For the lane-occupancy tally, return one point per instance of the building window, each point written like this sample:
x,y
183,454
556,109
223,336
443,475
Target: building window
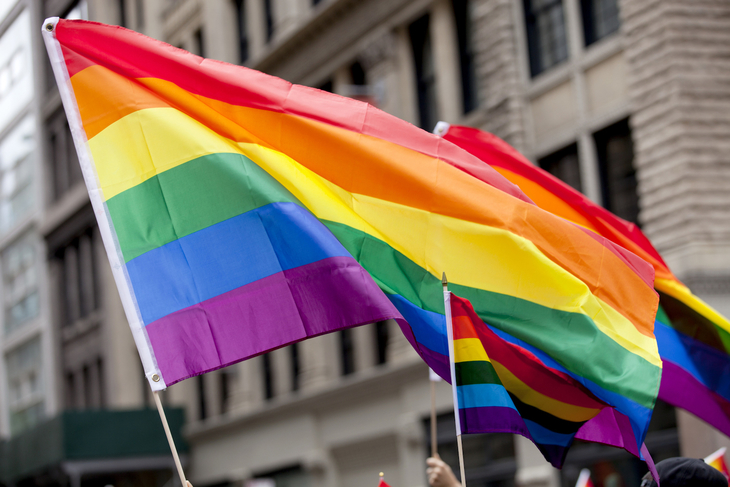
x,y
65,169
78,278
616,166
614,466
268,376
564,165
242,31
489,459
25,386
381,342
327,86
295,366
20,283
202,399
225,377
199,42
425,72
84,387
347,352
295,476
16,174
465,35
269,18
546,36
123,13
600,19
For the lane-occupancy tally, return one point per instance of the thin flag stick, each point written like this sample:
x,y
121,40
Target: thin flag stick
x,y
452,366
180,472
434,447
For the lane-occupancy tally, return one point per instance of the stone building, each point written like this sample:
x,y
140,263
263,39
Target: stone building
x,y
626,100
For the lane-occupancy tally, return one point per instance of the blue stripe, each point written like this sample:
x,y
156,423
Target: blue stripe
x,y
544,436
708,366
483,395
228,255
429,328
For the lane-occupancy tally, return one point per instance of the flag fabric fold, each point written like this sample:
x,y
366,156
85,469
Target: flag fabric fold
x,y
693,338
242,213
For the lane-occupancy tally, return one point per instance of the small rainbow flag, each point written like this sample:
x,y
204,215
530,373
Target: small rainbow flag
x,y
693,338
717,460
503,387
242,213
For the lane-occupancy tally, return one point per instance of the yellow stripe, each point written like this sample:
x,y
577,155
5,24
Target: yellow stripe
x,y
528,395
469,350
683,294
476,255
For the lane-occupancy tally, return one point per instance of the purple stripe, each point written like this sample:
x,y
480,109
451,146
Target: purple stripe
x,y
280,309
679,388
507,420
610,427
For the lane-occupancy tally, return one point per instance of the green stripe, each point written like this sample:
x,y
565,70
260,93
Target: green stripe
x,y
476,372
190,197
571,338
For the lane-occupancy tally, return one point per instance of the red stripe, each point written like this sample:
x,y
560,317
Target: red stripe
x,y
496,152
136,56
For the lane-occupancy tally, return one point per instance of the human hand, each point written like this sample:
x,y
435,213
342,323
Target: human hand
x,y
440,474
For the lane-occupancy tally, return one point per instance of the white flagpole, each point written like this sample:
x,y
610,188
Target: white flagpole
x,y
452,366
175,456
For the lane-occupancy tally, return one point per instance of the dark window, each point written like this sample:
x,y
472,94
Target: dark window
x,y
295,367
269,17
465,34
100,383
614,466
357,73
202,402
616,165
225,390
123,13
199,43
65,169
347,352
326,86
381,342
546,37
242,30
600,18
78,280
70,394
268,374
489,459
315,2
425,72
564,165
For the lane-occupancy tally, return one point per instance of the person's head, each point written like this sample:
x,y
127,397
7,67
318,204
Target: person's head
x,y
685,472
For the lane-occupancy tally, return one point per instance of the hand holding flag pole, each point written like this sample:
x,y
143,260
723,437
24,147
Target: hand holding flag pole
x,y
452,367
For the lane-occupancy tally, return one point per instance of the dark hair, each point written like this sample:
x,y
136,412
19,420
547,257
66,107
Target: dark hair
x,y
685,472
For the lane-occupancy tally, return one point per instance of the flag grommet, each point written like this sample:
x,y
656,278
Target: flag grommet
x,y
49,27
155,378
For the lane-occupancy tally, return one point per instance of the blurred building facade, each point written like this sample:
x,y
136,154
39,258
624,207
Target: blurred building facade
x,y
626,100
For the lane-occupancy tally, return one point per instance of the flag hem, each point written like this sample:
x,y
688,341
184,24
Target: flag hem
x,y
108,235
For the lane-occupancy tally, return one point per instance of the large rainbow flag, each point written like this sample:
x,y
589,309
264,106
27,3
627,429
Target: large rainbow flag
x,y
242,213
693,338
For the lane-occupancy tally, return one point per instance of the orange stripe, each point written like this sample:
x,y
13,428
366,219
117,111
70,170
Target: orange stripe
x,y
105,97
